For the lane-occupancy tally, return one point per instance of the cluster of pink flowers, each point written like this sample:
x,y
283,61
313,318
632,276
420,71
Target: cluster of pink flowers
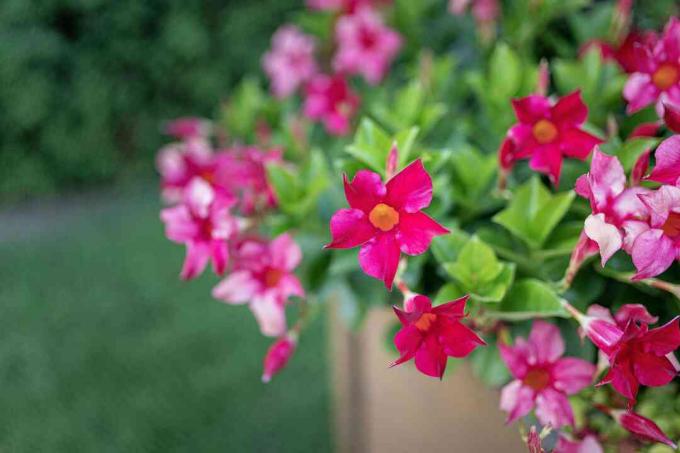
x,y
364,46
216,198
485,12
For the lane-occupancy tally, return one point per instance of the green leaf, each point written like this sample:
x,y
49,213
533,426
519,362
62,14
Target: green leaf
x,y
629,152
505,72
447,247
527,299
471,187
447,293
534,212
488,366
285,185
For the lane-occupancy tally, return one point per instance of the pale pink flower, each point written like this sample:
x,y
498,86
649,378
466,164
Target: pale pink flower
x,y
188,128
331,101
365,45
204,224
290,62
264,279
543,378
588,444
179,163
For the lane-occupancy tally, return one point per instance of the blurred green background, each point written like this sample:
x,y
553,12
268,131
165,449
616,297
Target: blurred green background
x,y
102,348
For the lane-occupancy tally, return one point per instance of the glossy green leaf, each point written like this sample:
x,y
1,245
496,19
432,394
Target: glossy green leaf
x,y
527,299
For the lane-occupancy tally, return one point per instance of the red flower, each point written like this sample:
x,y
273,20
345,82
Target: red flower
x,y
642,427
546,133
432,334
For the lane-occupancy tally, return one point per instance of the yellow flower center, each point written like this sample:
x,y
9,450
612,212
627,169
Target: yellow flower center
x,y
537,379
666,76
672,226
544,132
384,217
425,321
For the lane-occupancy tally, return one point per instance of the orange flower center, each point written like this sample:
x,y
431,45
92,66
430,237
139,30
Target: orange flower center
x,y
544,132
384,217
672,226
425,321
537,379
272,277
208,176
666,76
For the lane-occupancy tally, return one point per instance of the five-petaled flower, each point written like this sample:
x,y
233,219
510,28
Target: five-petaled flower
x,y
546,132
290,62
543,378
386,219
365,45
432,334
204,224
331,100
264,278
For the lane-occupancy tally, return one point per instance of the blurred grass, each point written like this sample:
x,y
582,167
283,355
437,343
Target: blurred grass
x,y
102,348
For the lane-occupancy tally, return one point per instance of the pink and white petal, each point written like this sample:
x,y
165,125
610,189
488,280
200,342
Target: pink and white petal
x,y
546,341
238,288
197,256
517,400
663,340
219,253
660,203
410,190
515,357
365,191
179,224
607,178
379,258
198,196
628,204
636,313
415,232
430,358
570,109
640,92
571,375
578,143
547,159
532,108
653,253
290,285
632,229
667,168
285,253
270,315
653,371
553,408
607,236
350,228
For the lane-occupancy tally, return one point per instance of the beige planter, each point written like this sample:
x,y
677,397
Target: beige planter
x,y
377,409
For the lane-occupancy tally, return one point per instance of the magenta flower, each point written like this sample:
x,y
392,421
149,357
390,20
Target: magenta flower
x,y
264,278
639,356
188,128
588,444
365,45
290,62
346,6
545,133
331,100
642,427
657,79
617,211
386,219
667,168
543,379
278,355
657,244
432,334
204,224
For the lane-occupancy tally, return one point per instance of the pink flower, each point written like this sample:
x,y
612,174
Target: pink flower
x,y
365,45
616,210
264,278
667,168
204,224
589,444
188,128
290,62
657,79
432,334
639,356
330,99
278,355
386,219
545,133
347,6
642,427
482,10
543,379
657,245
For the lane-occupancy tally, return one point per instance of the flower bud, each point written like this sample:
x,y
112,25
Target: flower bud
x,y
278,355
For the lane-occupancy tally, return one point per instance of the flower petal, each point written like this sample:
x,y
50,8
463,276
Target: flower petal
x,y
350,228
410,190
607,236
606,178
365,191
553,408
663,340
653,253
238,288
643,427
660,203
219,252
197,256
285,253
667,168
430,358
454,309
531,108
270,315
407,342
578,143
415,232
517,400
547,159
379,258
546,341
653,371
515,357
572,375
636,313
640,92
179,224
571,109
457,339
